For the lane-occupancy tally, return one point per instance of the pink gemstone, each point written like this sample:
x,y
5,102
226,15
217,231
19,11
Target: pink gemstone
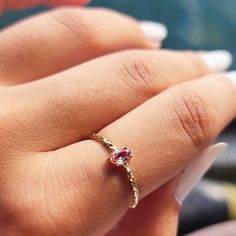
x,y
120,156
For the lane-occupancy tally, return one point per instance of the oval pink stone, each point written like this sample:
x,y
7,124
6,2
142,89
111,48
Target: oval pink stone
x,y
120,156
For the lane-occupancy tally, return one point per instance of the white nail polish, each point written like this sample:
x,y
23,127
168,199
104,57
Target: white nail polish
x,y
155,31
195,170
232,76
218,60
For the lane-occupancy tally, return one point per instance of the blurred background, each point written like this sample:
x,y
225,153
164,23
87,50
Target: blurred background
x,y
198,25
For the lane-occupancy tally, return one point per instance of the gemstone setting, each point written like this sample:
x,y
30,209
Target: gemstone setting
x,y
121,156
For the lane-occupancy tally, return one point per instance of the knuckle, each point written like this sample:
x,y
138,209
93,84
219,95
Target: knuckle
x,y
80,26
194,117
138,71
74,22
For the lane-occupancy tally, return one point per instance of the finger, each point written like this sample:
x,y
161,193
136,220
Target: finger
x,y
164,141
186,116
165,134
60,39
101,90
223,63
6,5
152,214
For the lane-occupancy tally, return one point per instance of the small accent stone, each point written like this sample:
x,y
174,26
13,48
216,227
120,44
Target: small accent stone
x,y
120,156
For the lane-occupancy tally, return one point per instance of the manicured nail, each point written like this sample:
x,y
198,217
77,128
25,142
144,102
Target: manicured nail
x,y
232,76
195,171
218,60
155,31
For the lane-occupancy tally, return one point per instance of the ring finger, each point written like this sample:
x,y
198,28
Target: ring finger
x,y
165,134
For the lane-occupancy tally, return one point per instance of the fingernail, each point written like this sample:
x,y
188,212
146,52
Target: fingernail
x,y
218,60
232,76
195,171
155,31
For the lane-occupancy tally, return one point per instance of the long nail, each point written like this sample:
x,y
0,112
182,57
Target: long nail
x,y
195,171
232,76
155,31
218,60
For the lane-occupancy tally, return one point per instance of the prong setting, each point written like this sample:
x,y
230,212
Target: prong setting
x,y
121,157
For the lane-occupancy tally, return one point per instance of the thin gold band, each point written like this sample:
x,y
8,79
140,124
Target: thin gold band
x,y
124,164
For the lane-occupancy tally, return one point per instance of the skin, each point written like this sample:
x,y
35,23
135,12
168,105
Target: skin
x,y
81,33
54,180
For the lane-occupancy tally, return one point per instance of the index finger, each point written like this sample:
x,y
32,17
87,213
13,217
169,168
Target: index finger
x,y
6,5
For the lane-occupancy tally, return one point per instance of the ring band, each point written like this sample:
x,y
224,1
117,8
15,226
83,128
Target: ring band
x,y
121,157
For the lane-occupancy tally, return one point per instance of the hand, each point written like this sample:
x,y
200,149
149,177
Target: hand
x,y
54,180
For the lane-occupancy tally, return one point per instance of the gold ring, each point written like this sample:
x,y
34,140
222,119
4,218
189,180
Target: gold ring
x,y
121,157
